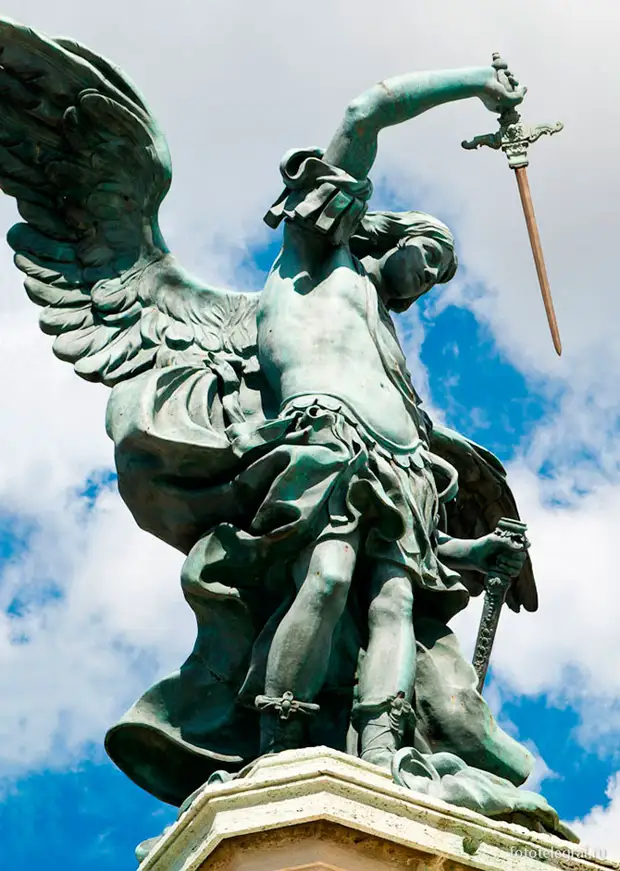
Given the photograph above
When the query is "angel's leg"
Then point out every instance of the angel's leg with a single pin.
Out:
(388, 672)
(300, 651)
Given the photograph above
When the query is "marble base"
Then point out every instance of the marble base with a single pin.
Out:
(320, 809)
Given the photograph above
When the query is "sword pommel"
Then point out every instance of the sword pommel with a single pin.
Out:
(511, 528)
(513, 137)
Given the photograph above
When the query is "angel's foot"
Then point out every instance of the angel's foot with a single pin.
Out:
(283, 722)
(381, 756)
(382, 728)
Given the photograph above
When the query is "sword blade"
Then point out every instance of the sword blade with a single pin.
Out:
(539, 260)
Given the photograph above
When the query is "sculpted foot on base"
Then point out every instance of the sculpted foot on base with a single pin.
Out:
(382, 727)
(282, 725)
(447, 777)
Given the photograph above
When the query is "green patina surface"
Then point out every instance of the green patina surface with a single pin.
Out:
(331, 529)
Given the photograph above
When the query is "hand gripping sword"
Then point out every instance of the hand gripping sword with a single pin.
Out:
(514, 139)
(496, 585)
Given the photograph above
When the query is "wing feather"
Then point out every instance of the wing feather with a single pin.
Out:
(82, 344)
(50, 295)
(53, 321)
(59, 274)
(110, 71)
(44, 220)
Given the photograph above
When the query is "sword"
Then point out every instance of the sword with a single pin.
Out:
(496, 585)
(514, 139)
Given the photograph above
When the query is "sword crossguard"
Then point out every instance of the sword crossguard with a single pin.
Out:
(513, 138)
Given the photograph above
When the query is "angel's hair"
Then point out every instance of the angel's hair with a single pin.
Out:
(379, 232)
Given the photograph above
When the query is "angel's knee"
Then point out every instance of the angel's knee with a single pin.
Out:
(327, 575)
(393, 603)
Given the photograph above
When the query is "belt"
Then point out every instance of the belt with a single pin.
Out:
(414, 455)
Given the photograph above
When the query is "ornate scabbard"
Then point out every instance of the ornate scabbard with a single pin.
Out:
(496, 586)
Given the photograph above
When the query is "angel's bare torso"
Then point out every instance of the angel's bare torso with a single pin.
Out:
(314, 336)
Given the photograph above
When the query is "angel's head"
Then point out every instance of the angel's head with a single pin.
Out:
(408, 252)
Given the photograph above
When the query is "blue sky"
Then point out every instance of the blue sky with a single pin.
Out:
(90, 608)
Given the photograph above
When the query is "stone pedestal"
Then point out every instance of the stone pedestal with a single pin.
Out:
(320, 810)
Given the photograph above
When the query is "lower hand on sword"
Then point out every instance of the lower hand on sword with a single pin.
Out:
(498, 553)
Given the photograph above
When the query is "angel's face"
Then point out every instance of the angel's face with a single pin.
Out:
(411, 269)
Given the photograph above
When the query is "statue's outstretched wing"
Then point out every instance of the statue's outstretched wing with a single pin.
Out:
(89, 169)
(483, 498)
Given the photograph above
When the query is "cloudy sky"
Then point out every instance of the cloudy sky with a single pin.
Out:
(91, 610)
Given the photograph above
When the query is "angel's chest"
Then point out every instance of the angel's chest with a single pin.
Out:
(335, 291)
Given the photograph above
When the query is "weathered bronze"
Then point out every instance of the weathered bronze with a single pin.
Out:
(331, 530)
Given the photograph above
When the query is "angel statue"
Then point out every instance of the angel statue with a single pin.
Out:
(331, 530)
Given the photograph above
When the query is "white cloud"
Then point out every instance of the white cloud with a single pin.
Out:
(540, 772)
(52, 435)
(600, 829)
(70, 663)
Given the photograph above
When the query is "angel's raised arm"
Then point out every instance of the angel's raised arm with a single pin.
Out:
(392, 101)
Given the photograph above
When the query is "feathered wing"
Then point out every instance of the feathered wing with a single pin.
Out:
(89, 169)
(483, 498)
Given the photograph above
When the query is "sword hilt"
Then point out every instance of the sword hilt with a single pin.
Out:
(515, 530)
(513, 137)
